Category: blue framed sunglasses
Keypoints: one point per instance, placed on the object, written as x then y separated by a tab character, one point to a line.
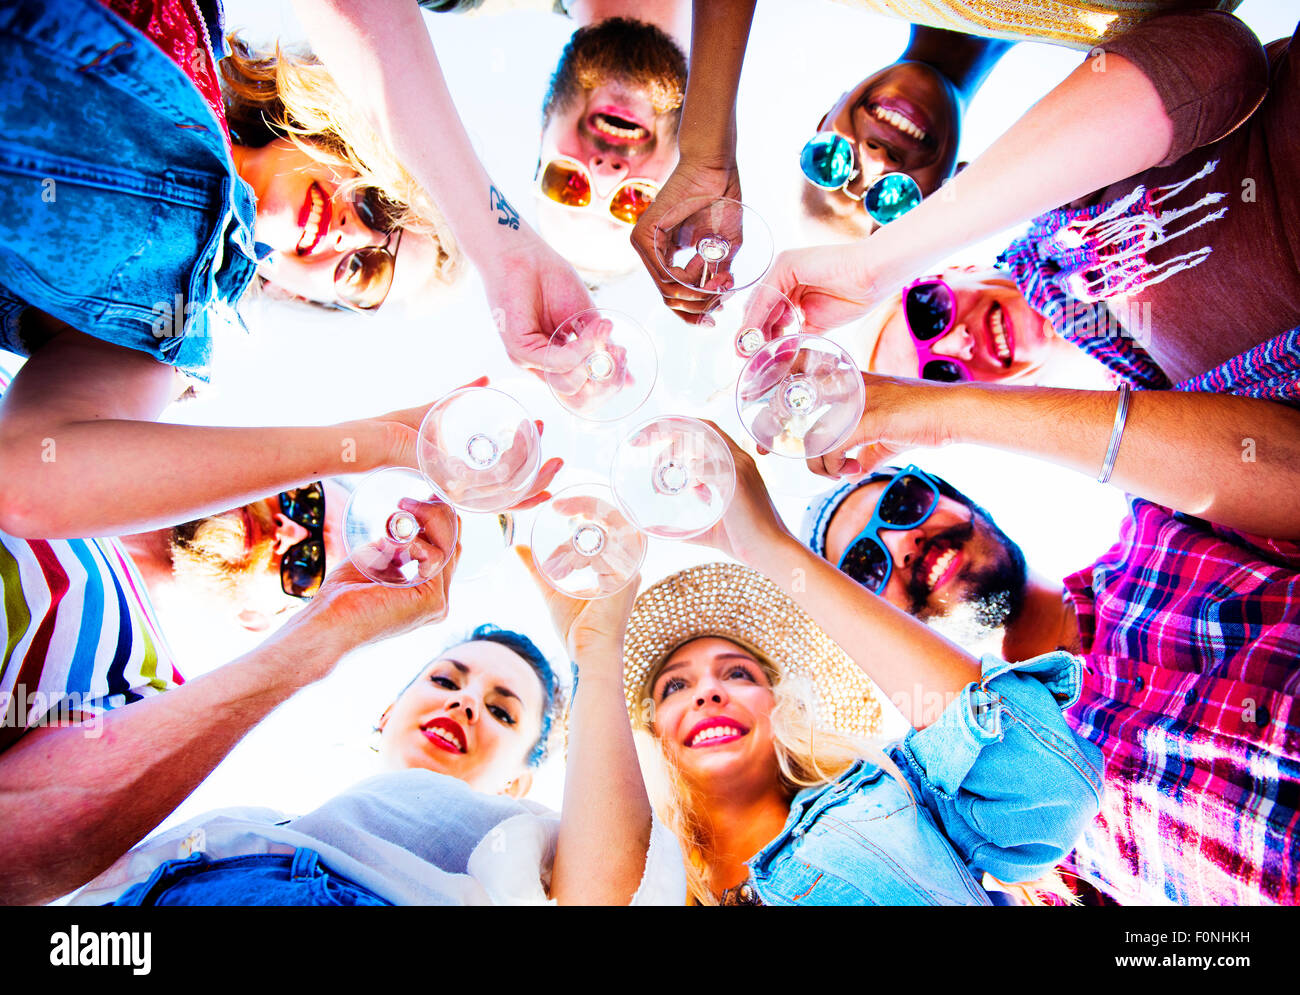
827	161
905	503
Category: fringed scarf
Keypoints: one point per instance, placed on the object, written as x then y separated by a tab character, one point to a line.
1072	260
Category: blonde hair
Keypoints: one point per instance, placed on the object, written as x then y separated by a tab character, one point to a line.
270	95
807	754
210	553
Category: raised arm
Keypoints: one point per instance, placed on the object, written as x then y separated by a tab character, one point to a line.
895	650
605	825
72	802
706	140
386	62
1230	460
1106	121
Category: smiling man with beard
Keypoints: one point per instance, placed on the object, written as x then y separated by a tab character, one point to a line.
955	569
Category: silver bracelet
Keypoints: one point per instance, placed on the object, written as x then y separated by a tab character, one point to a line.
1116	433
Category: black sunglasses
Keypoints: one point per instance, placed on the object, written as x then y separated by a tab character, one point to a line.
302	568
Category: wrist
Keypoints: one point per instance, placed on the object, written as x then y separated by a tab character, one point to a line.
303	651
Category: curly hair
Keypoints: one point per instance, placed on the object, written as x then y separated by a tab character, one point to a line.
280	94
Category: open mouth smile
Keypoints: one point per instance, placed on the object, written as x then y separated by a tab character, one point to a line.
938	566
313	218
714	732
445	734
619	127
999	335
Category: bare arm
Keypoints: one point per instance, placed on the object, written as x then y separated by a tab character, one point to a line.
71	803
81	454
600	857
892	648
388	65
1231	460
1037	165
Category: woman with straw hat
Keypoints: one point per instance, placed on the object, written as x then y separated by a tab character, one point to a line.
777	794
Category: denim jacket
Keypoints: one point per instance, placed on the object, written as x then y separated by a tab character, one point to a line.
999	783
121	211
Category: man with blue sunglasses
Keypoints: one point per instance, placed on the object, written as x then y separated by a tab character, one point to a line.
925	547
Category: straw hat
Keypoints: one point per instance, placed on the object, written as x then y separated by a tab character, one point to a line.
740	604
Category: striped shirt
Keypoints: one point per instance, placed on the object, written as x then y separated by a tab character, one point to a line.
1191	637
78	633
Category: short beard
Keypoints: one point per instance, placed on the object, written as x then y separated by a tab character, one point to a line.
996	593
639	54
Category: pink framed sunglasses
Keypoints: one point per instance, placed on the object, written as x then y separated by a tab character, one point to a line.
930	310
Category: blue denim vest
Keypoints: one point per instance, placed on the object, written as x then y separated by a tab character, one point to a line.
999	783
121	211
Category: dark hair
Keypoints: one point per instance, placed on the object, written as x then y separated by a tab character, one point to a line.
522	646
1016	556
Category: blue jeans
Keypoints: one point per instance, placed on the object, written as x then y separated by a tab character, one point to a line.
257	879
121	211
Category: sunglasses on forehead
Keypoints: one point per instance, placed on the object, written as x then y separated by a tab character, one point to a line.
930	311
906	503
568	182
828	161
302	568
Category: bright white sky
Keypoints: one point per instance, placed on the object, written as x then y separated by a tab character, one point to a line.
801	57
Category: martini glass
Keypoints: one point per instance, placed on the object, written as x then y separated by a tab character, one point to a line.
478	451
714	246
674	477
800	396
397	531
601	364
584	544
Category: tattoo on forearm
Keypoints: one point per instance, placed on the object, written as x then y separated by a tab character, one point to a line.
506	215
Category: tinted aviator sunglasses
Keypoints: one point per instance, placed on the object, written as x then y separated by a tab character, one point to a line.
906	503
568	182
302	568
930	310
828	161
364	276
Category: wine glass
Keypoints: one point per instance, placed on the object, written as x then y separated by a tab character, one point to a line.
800	396
717	246
601	364
584	545
674	477
479	449
396	530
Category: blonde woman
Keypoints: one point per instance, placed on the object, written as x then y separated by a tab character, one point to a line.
781	799
782	802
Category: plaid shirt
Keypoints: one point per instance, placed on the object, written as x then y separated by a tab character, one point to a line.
1191	636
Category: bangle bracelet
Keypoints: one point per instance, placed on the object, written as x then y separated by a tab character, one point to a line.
1116	433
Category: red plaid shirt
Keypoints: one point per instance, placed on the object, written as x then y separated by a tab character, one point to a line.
1191	634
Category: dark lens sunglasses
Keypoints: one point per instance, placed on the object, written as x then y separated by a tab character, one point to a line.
302	568
930	310
905	503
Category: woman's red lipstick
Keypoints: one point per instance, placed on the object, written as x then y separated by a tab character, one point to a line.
445	733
